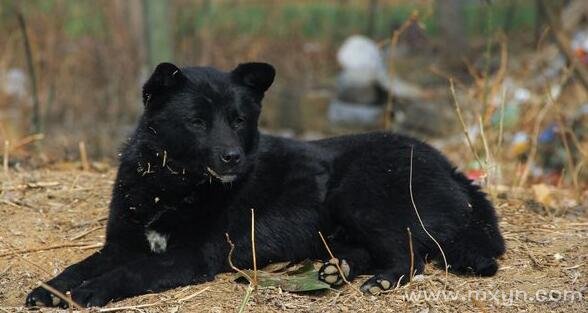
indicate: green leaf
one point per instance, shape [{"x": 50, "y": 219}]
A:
[{"x": 302, "y": 279}]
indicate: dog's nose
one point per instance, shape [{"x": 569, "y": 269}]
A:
[{"x": 231, "y": 156}]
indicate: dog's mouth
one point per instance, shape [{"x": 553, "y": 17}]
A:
[{"x": 222, "y": 178}]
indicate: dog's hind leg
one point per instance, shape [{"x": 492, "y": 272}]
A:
[
  {"x": 395, "y": 263},
  {"x": 380, "y": 229},
  {"x": 351, "y": 260}
]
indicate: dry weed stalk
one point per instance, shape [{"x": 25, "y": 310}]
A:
[
  {"x": 61, "y": 246},
  {"x": 68, "y": 295},
  {"x": 31, "y": 186},
  {"x": 463, "y": 125},
  {"x": 253, "y": 248},
  {"x": 61, "y": 296},
  {"x": 488, "y": 154},
  {"x": 501, "y": 124},
  {"x": 393, "y": 43},
  {"x": 336, "y": 263},
  {"x": 252, "y": 281},
  {"x": 27, "y": 140},
  {"x": 84, "y": 156},
  {"x": 6, "y": 156},
  {"x": 186, "y": 298},
  {"x": 498, "y": 77},
  {"x": 411, "y": 275},
  {"x": 85, "y": 233},
  {"x": 421, "y": 221},
  {"x": 250, "y": 288}
]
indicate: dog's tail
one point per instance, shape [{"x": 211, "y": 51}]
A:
[
  {"x": 479, "y": 242},
  {"x": 484, "y": 223}
]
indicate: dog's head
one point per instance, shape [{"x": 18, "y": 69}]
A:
[{"x": 206, "y": 119}]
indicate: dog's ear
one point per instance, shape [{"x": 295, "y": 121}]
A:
[
  {"x": 165, "y": 79},
  {"x": 257, "y": 76}
]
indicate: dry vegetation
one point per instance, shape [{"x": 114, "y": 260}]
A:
[
  {"x": 54, "y": 215},
  {"x": 53, "y": 218}
]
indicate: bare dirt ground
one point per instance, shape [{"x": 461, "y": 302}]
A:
[{"x": 52, "y": 218}]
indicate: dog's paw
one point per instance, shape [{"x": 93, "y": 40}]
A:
[
  {"x": 329, "y": 273},
  {"x": 40, "y": 297},
  {"x": 90, "y": 294},
  {"x": 382, "y": 282}
]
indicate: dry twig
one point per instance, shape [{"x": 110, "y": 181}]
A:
[
  {"x": 250, "y": 288},
  {"x": 393, "y": 43},
  {"x": 6, "y": 156},
  {"x": 336, "y": 263},
  {"x": 66, "y": 245},
  {"x": 411, "y": 274},
  {"x": 421, "y": 221},
  {"x": 84, "y": 156},
  {"x": 463, "y": 125},
  {"x": 85, "y": 233},
  {"x": 253, "y": 248},
  {"x": 60, "y": 295}
]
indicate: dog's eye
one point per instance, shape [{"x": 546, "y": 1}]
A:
[
  {"x": 238, "y": 122},
  {"x": 199, "y": 122}
]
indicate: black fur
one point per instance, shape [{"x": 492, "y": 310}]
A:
[{"x": 197, "y": 164}]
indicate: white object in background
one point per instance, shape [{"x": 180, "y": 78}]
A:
[
  {"x": 14, "y": 82},
  {"x": 360, "y": 53}
]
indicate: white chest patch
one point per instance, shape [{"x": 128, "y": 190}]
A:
[{"x": 157, "y": 241}]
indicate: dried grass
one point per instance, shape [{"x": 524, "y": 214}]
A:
[{"x": 544, "y": 252}]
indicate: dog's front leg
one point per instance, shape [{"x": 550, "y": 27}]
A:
[
  {"x": 152, "y": 273},
  {"x": 109, "y": 257}
]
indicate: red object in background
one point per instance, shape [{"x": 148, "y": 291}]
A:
[
  {"x": 582, "y": 55},
  {"x": 476, "y": 175}
]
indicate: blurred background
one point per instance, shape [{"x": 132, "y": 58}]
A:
[{"x": 510, "y": 75}]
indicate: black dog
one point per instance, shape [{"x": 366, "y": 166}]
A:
[{"x": 197, "y": 164}]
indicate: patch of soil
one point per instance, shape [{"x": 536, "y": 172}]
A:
[{"x": 50, "y": 219}]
